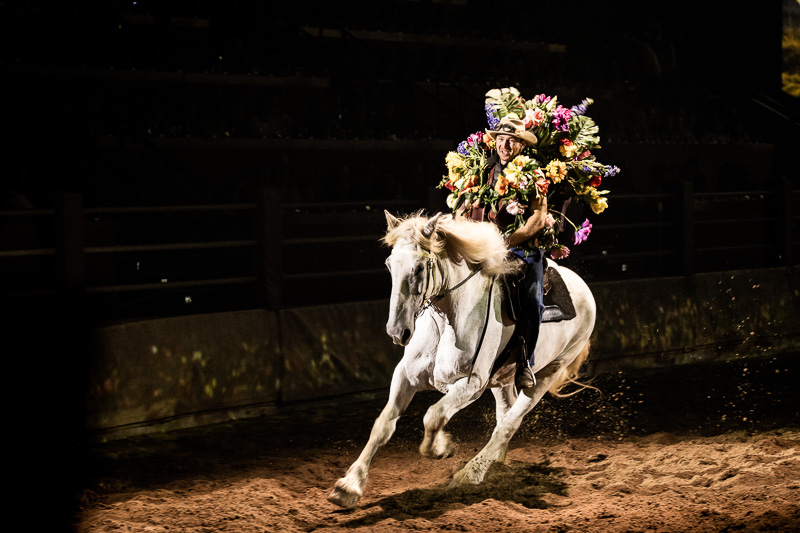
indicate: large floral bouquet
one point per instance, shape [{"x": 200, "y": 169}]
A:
[{"x": 560, "y": 164}]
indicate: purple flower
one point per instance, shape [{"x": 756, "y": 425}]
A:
[
  {"x": 491, "y": 116},
  {"x": 611, "y": 171},
  {"x": 561, "y": 117},
  {"x": 462, "y": 148},
  {"x": 582, "y": 233},
  {"x": 580, "y": 109}
]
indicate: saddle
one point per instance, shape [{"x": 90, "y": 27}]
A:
[
  {"x": 557, "y": 300},
  {"x": 558, "y": 306}
]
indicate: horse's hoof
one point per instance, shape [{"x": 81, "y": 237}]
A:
[
  {"x": 461, "y": 478},
  {"x": 342, "y": 498},
  {"x": 441, "y": 447}
]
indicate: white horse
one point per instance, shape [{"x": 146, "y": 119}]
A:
[{"x": 446, "y": 309}]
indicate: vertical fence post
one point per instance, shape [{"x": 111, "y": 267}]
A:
[
  {"x": 270, "y": 235},
  {"x": 687, "y": 214},
  {"x": 70, "y": 245},
  {"x": 787, "y": 218}
]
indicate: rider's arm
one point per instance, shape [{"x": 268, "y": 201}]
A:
[{"x": 534, "y": 223}]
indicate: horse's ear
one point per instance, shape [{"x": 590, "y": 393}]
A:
[
  {"x": 429, "y": 228},
  {"x": 391, "y": 220}
]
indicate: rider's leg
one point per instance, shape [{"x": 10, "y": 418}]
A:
[{"x": 532, "y": 305}]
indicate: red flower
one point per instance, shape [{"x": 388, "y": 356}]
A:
[
  {"x": 542, "y": 184},
  {"x": 595, "y": 181}
]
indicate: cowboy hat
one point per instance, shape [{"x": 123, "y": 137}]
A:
[{"x": 511, "y": 125}]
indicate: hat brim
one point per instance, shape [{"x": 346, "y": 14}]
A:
[{"x": 526, "y": 136}]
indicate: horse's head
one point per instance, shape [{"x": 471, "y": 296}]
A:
[{"x": 412, "y": 266}]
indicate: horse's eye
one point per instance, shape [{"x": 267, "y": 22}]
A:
[{"x": 418, "y": 270}]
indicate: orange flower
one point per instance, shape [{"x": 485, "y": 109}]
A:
[
  {"x": 501, "y": 187},
  {"x": 542, "y": 184}
]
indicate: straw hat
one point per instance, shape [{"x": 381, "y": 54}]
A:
[{"x": 511, "y": 125}]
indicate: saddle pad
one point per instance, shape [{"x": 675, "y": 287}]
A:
[{"x": 557, "y": 301}]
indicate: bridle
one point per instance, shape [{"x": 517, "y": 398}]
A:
[
  {"x": 430, "y": 284},
  {"x": 431, "y": 299}
]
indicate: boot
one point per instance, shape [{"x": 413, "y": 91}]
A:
[{"x": 523, "y": 377}]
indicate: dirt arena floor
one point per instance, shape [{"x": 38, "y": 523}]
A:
[{"x": 701, "y": 448}]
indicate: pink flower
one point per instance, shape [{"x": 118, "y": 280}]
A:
[
  {"x": 515, "y": 208},
  {"x": 560, "y": 252},
  {"x": 582, "y": 233},
  {"x": 533, "y": 118},
  {"x": 549, "y": 220}
]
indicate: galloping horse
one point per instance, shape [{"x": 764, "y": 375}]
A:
[{"x": 446, "y": 308}]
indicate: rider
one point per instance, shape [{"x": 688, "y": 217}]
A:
[{"x": 510, "y": 138}]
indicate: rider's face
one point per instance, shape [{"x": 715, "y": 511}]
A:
[{"x": 508, "y": 147}]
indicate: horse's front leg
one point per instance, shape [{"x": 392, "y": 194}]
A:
[
  {"x": 475, "y": 470},
  {"x": 349, "y": 489},
  {"x": 436, "y": 443}
]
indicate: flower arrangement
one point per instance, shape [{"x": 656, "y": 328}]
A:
[{"x": 560, "y": 163}]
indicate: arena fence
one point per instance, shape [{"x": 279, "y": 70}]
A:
[
  {"x": 197, "y": 314},
  {"x": 133, "y": 262}
]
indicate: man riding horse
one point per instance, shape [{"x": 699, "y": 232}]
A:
[{"x": 510, "y": 138}]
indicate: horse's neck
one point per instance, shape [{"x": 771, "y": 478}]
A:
[{"x": 458, "y": 303}]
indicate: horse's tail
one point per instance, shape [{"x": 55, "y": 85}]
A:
[{"x": 569, "y": 374}]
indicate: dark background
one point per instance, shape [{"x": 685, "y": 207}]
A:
[
  {"x": 339, "y": 111},
  {"x": 159, "y": 103},
  {"x": 93, "y": 89}
]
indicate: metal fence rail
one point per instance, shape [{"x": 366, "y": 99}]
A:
[{"x": 159, "y": 261}]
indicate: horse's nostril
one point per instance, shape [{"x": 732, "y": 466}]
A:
[{"x": 406, "y": 335}]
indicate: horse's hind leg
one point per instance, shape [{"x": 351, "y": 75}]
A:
[
  {"x": 475, "y": 470},
  {"x": 349, "y": 489},
  {"x": 504, "y": 398}
]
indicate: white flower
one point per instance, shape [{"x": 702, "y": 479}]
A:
[
  {"x": 514, "y": 207},
  {"x": 451, "y": 201}
]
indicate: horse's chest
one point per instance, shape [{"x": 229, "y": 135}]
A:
[{"x": 451, "y": 365}]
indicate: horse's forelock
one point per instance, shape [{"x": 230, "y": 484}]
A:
[{"x": 411, "y": 228}]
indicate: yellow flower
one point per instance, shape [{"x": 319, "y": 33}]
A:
[
  {"x": 453, "y": 160},
  {"x": 568, "y": 149},
  {"x": 455, "y": 164},
  {"x": 599, "y": 205},
  {"x": 512, "y": 176},
  {"x": 555, "y": 171},
  {"x": 520, "y": 161}
]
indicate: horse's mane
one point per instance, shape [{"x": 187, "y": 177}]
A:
[{"x": 480, "y": 244}]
